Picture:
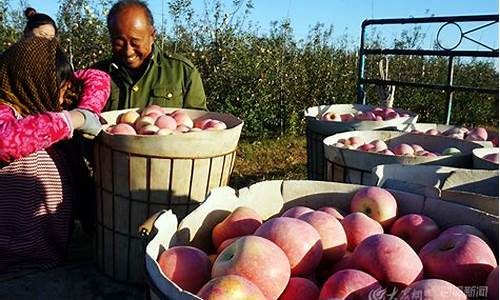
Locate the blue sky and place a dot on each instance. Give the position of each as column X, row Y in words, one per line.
column 345, row 15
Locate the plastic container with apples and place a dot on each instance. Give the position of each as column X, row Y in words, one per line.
column 351, row 156
column 159, row 168
column 325, row 120
column 297, row 245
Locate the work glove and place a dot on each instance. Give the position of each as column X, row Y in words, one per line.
column 91, row 126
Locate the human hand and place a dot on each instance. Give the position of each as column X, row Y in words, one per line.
column 91, row 124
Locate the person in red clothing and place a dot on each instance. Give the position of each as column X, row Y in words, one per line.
column 36, row 180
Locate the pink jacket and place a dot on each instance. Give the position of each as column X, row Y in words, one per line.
column 20, row 137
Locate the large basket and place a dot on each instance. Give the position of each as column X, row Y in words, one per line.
column 279, row 196
column 353, row 166
column 317, row 130
column 139, row 175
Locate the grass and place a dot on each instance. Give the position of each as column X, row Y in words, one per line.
column 274, row 158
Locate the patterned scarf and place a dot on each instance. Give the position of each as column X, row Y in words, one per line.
column 28, row 78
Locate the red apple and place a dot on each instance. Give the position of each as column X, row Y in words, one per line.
column 403, row 149
column 300, row 288
column 226, row 243
column 435, row 289
column 158, row 110
column 376, row 203
column 186, row 266
column 477, row 134
column 148, row 129
column 493, row 157
column 415, row 229
column 143, row 121
column 333, row 237
column 389, row 259
column 298, row 239
column 166, row 122
column 122, row 129
column 183, row 118
column 242, row 221
column 232, row 287
column 492, row 284
column 350, row 284
column 464, row 228
column 296, row 211
column 332, row 211
column 462, row 259
column 357, row 227
column 257, row 259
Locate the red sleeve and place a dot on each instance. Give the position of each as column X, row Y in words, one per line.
column 96, row 89
column 22, row 137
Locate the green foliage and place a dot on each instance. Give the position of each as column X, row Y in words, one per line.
column 268, row 80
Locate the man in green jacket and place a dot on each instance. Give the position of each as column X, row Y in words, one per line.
column 140, row 73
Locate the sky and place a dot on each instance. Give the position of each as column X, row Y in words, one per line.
column 346, row 16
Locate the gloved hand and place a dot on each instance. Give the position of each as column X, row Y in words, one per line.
column 91, row 124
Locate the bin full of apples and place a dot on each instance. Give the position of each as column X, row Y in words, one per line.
column 320, row 240
column 156, row 120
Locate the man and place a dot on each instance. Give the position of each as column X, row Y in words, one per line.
column 140, row 73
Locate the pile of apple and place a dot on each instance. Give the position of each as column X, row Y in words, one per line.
column 154, row 120
column 312, row 254
column 473, row 134
column 375, row 114
column 380, row 147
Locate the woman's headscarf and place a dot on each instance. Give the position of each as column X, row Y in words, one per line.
column 28, row 76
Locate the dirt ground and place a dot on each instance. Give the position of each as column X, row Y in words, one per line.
column 77, row 279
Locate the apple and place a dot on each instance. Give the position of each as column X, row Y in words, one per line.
column 186, row 266
column 182, row 128
column 339, row 215
column 366, row 147
column 346, row 117
column 128, row 117
column 462, row 259
column 154, row 115
column 166, row 122
column 379, row 145
column 492, row 284
column 298, row 239
column 377, row 203
column 387, row 152
column 403, row 149
column 357, row 227
column 226, row 243
column 183, row 118
column 148, row 129
column 242, row 221
column 354, row 141
column 143, row 121
column 331, row 232
column 300, row 288
column 164, row 131
column 415, row 229
column 232, row 287
column 464, row 228
column 435, row 289
column 433, row 131
column 478, row 134
column 158, row 110
column 122, row 129
column 296, row 211
column 214, row 125
column 350, row 284
column 417, row 148
column 257, row 259
column 389, row 259
column 331, row 116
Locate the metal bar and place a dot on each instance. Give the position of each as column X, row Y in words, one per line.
column 421, row 52
column 361, row 97
column 479, row 43
column 480, row 27
column 449, row 93
column 431, row 20
column 443, row 87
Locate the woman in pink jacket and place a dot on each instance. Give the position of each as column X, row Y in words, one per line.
column 36, row 182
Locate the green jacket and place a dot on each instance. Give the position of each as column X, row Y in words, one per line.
column 169, row 81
